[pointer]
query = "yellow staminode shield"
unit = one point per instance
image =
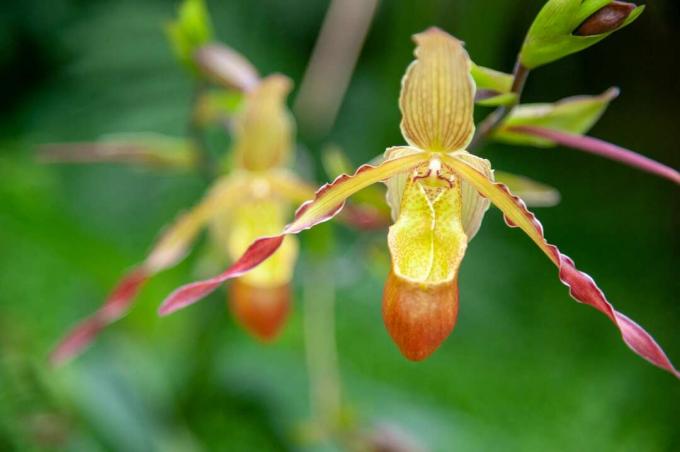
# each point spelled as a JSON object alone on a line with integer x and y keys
{"x": 427, "y": 243}
{"x": 437, "y": 94}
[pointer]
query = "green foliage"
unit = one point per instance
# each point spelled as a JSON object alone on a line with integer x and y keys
{"x": 551, "y": 35}
{"x": 189, "y": 31}
{"x": 491, "y": 79}
{"x": 497, "y": 84}
{"x": 574, "y": 114}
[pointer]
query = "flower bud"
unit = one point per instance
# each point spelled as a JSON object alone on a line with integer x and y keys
{"x": 564, "y": 27}
{"x": 262, "y": 311}
{"x": 419, "y": 316}
{"x": 608, "y": 18}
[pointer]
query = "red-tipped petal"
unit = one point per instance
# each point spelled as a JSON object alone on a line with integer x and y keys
{"x": 115, "y": 307}
{"x": 188, "y": 294}
{"x": 581, "y": 286}
{"x": 170, "y": 248}
{"x": 603, "y": 149}
{"x": 262, "y": 311}
{"x": 419, "y": 316}
{"x": 327, "y": 203}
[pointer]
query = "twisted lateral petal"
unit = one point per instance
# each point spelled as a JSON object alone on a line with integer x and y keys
{"x": 328, "y": 202}
{"x": 169, "y": 249}
{"x": 437, "y": 94}
{"x": 581, "y": 286}
{"x": 114, "y": 307}
{"x": 603, "y": 149}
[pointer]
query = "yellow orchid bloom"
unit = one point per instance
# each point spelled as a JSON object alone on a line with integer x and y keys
{"x": 438, "y": 193}
{"x": 254, "y": 199}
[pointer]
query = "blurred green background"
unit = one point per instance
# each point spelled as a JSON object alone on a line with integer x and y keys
{"x": 526, "y": 368}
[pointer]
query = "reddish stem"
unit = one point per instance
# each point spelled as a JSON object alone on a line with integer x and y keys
{"x": 603, "y": 149}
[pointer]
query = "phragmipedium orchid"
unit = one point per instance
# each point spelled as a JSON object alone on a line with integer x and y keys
{"x": 253, "y": 199}
{"x": 438, "y": 193}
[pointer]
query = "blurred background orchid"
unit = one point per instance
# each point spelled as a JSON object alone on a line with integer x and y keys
{"x": 251, "y": 199}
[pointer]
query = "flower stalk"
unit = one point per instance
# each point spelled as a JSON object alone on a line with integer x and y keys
{"x": 603, "y": 149}
{"x": 496, "y": 118}
{"x": 325, "y": 391}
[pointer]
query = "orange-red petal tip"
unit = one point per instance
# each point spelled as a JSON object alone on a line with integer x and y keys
{"x": 262, "y": 311}
{"x": 419, "y": 316}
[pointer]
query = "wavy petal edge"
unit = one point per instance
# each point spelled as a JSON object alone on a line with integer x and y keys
{"x": 582, "y": 287}
{"x": 308, "y": 215}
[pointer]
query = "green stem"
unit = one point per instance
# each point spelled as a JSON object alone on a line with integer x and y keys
{"x": 496, "y": 118}
{"x": 322, "y": 359}
{"x": 204, "y": 161}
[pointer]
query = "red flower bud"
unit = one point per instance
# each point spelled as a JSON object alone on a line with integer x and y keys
{"x": 419, "y": 316}
{"x": 262, "y": 311}
{"x": 606, "y": 19}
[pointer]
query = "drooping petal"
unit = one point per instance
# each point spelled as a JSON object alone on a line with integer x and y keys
{"x": 115, "y": 306}
{"x": 533, "y": 193}
{"x": 227, "y": 67}
{"x": 327, "y": 203}
{"x": 169, "y": 249}
{"x": 263, "y": 132}
{"x": 581, "y": 286}
{"x": 262, "y": 217}
{"x": 437, "y": 94}
{"x": 604, "y": 149}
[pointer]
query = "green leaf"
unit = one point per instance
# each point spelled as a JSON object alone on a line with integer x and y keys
{"x": 574, "y": 115}
{"x": 490, "y": 79}
{"x": 496, "y": 100}
{"x": 551, "y": 35}
{"x": 191, "y": 30}
{"x": 493, "y": 87}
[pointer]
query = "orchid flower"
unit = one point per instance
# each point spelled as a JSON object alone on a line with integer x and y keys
{"x": 438, "y": 193}
{"x": 254, "y": 199}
